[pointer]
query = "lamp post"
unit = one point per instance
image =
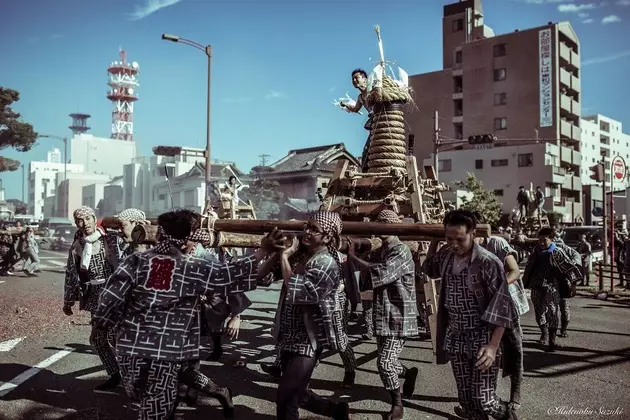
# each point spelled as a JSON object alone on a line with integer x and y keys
{"x": 65, "y": 151}
{"x": 23, "y": 181}
{"x": 208, "y": 51}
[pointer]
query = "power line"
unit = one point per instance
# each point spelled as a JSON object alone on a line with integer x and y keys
{"x": 263, "y": 159}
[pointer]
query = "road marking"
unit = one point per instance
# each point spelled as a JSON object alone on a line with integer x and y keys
{"x": 25, "y": 376}
{"x": 9, "y": 344}
{"x": 57, "y": 263}
{"x": 1, "y": 281}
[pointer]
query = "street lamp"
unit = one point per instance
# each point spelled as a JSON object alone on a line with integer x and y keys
{"x": 65, "y": 151}
{"x": 208, "y": 51}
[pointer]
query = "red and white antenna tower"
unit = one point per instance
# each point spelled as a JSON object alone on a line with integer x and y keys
{"x": 123, "y": 81}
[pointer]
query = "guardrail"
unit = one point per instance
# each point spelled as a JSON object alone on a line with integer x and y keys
{"x": 609, "y": 274}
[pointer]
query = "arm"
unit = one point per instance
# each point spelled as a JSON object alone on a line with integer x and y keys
{"x": 320, "y": 279}
{"x": 267, "y": 267}
{"x": 228, "y": 278}
{"x": 513, "y": 272}
{"x": 357, "y": 106}
{"x": 432, "y": 266}
{"x": 396, "y": 262}
{"x": 113, "y": 299}
{"x": 500, "y": 311}
{"x": 71, "y": 282}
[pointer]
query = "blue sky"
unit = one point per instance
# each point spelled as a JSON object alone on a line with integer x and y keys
{"x": 277, "y": 65}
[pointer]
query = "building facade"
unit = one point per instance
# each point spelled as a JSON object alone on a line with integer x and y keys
{"x": 101, "y": 155}
{"x": 69, "y": 195}
{"x": 602, "y": 138}
{"x": 522, "y": 87}
{"x": 42, "y": 181}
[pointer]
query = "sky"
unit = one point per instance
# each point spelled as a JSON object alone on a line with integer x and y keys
{"x": 277, "y": 65}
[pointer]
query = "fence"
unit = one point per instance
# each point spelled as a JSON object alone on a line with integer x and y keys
{"x": 611, "y": 275}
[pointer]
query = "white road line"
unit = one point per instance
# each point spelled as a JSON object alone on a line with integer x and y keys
{"x": 25, "y": 376}
{"x": 9, "y": 344}
{"x": 57, "y": 263}
{"x": 1, "y": 281}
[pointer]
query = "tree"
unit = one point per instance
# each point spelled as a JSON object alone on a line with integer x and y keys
{"x": 483, "y": 201}
{"x": 264, "y": 194}
{"x": 13, "y": 132}
{"x": 19, "y": 206}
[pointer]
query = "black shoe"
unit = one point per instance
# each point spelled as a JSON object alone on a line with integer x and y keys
{"x": 215, "y": 355}
{"x": 342, "y": 411}
{"x": 111, "y": 383}
{"x": 272, "y": 370}
{"x": 397, "y": 410}
{"x": 409, "y": 386}
{"x": 224, "y": 396}
{"x": 348, "y": 380}
{"x": 460, "y": 412}
{"x": 544, "y": 336}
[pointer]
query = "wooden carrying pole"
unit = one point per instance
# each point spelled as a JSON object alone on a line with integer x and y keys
{"x": 366, "y": 229}
{"x": 147, "y": 235}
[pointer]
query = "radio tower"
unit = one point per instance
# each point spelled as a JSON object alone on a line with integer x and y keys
{"x": 123, "y": 80}
{"x": 79, "y": 123}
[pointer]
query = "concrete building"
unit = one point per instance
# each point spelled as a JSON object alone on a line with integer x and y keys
{"x": 520, "y": 87}
{"x": 42, "y": 181}
{"x": 70, "y": 191}
{"x": 112, "y": 202}
{"x": 101, "y": 155}
{"x": 602, "y": 137}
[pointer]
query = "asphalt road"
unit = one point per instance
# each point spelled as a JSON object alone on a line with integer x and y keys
{"x": 50, "y": 373}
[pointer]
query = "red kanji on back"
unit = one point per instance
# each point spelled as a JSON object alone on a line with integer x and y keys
{"x": 160, "y": 273}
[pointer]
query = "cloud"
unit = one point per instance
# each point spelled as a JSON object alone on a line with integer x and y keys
{"x": 150, "y": 7}
{"x": 611, "y": 19}
{"x": 274, "y": 94}
{"x": 332, "y": 89}
{"x": 546, "y": 1}
{"x": 575, "y": 8}
{"x": 582, "y": 15}
{"x": 238, "y": 100}
{"x": 56, "y": 36}
{"x": 623, "y": 3}
{"x": 606, "y": 59}
{"x": 587, "y": 21}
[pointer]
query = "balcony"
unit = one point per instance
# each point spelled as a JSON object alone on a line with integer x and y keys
{"x": 565, "y": 53}
{"x": 576, "y": 133}
{"x": 575, "y": 59}
{"x": 576, "y": 84}
{"x": 577, "y": 157}
{"x": 566, "y": 155}
{"x": 565, "y": 129}
{"x": 565, "y": 78}
{"x": 565, "y": 104}
{"x": 572, "y": 182}
{"x": 576, "y": 108}
{"x": 556, "y": 174}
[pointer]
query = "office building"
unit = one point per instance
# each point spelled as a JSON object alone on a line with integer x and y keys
{"x": 602, "y": 138}
{"x": 523, "y": 88}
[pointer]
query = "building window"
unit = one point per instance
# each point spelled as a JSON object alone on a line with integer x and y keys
{"x": 500, "y": 98}
{"x": 458, "y": 57}
{"x": 525, "y": 160}
{"x": 458, "y": 25}
{"x": 499, "y": 162}
{"x": 500, "y": 75}
{"x": 500, "y": 50}
{"x": 498, "y": 193}
{"x": 500, "y": 124}
{"x": 444, "y": 165}
{"x": 479, "y": 164}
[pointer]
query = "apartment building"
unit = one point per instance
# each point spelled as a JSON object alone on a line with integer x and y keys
{"x": 42, "y": 180}
{"x": 602, "y": 138}
{"x": 523, "y": 88}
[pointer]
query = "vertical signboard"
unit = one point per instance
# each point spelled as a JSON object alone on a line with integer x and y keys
{"x": 546, "y": 77}
{"x": 618, "y": 170}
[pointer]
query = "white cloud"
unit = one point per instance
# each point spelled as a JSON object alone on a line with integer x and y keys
{"x": 56, "y": 36}
{"x": 274, "y": 94}
{"x": 623, "y": 3}
{"x": 332, "y": 89}
{"x": 606, "y": 59}
{"x": 238, "y": 100}
{"x": 150, "y": 7}
{"x": 546, "y": 1}
{"x": 575, "y": 8}
{"x": 611, "y": 19}
{"x": 587, "y": 21}
{"x": 582, "y": 15}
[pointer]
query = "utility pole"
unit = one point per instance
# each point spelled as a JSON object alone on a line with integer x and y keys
{"x": 436, "y": 143}
{"x": 23, "y": 181}
{"x": 263, "y": 159}
{"x": 605, "y": 216}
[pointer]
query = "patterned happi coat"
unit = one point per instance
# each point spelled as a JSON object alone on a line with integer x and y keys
{"x": 566, "y": 269}
{"x": 86, "y": 286}
{"x": 486, "y": 279}
{"x": 304, "y": 320}
{"x": 394, "y": 291}
{"x": 154, "y": 300}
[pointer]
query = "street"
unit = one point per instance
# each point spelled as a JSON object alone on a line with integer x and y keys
{"x": 48, "y": 370}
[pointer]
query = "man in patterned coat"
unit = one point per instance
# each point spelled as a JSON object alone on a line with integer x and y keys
{"x": 92, "y": 258}
{"x": 395, "y": 315}
{"x": 475, "y": 308}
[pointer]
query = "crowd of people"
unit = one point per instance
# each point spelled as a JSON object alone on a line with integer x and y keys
{"x": 19, "y": 247}
{"x": 149, "y": 308}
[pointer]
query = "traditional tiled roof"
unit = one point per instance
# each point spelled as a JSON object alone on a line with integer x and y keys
{"x": 322, "y": 157}
{"x": 302, "y": 205}
{"x": 220, "y": 172}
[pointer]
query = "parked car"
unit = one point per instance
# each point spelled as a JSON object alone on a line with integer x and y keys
{"x": 594, "y": 235}
{"x": 63, "y": 237}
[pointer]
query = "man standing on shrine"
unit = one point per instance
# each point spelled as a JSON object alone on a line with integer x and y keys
{"x": 475, "y": 308}
{"x": 92, "y": 258}
{"x": 153, "y": 299}
{"x": 395, "y": 314}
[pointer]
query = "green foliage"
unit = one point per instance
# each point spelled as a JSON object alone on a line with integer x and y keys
{"x": 13, "y": 132}
{"x": 19, "y": 206}
{"x": 264, "y": 194}
{"x": 483, "y": 201}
